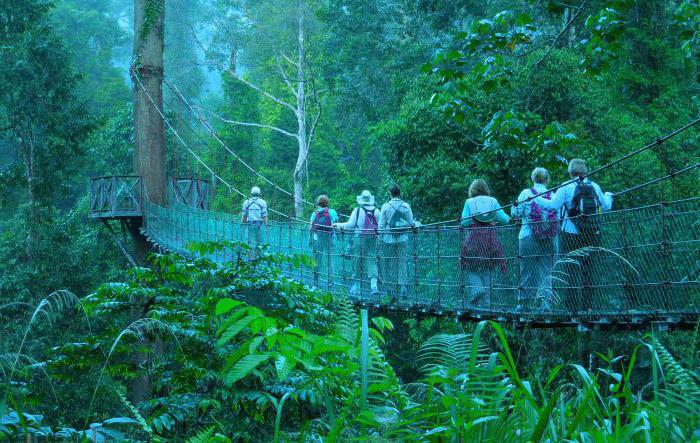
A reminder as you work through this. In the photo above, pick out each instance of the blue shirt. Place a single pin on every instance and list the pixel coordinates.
(476, 206)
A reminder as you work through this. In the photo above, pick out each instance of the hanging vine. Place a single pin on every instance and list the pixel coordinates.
(154, 10)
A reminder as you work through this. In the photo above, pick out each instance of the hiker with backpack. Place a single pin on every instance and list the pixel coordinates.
(364, 222)
(321, 235)
(538, 241)
(396, 222)
(582, 201)
(481, 255)
(254, 216)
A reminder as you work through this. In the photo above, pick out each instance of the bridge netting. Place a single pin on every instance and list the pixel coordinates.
(646, 269)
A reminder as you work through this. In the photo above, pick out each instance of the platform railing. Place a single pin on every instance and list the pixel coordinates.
(116, 196)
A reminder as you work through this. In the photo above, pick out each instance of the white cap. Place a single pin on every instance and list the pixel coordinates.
(255, 191)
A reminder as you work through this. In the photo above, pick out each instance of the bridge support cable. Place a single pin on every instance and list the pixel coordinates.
(658, 180)
(198, 158)
(627, 156)
(209, 128)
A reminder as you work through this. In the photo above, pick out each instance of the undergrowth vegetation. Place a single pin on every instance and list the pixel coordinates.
(190, 349)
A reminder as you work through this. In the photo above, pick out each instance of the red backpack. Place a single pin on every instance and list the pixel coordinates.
(544, 223)
(322, 221)
(370, 224)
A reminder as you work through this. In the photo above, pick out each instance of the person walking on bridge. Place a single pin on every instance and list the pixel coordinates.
(364, 222)
(396, 220)
(582, 201)
(538, 242)
(481, 250)
(321, 237)
(254, 216)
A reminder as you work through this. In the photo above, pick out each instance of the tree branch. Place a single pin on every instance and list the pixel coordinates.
(566, 27)
(254, 125)
(288, 60)
(284, 77)
(241, 79)
(261, 91)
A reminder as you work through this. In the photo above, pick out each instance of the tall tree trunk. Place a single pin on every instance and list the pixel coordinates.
(149, 131)
(299, 169)
(149, 146)
(27, 145)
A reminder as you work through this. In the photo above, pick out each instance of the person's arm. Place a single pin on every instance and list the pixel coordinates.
(518, 211)
(334, 215)
(352, 221)
(606, 199)
(409, 216)
(244, 212)
(556, 202)
(382, 219)
(466, 215)
(379, 217)
(500, 216)
(263, 212)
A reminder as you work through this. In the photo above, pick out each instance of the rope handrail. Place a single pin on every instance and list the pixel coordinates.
(657, 180)
(657, 142)
(646, 267)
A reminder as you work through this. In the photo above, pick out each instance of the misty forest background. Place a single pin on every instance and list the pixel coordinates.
(429, 94)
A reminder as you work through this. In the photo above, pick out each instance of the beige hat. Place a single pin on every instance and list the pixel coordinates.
(365, 199)
(255, 191)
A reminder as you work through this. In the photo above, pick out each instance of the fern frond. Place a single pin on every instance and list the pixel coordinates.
(204, 436)
(348, 323)
(136, 414)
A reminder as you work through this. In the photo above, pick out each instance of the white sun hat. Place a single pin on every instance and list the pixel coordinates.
(365, 199)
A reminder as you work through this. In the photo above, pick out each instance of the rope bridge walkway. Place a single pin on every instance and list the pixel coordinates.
(646, 269)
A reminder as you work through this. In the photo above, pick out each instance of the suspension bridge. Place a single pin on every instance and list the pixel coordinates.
(645, 271)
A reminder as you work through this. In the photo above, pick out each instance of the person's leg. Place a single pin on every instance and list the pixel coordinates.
(571, 272)
(525, 290)
(401, 249)
(477, 282)
(389, 271)
(371, 252)
(358, 263)
(588, 263)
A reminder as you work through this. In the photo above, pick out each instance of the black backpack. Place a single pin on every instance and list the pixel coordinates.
(584, 208)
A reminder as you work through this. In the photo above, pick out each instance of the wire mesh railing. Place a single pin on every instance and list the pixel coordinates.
(644, 266)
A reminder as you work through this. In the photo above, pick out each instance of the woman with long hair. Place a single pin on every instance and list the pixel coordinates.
(482, 256)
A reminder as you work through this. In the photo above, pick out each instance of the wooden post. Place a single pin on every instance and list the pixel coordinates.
(364, 359)
(415, 265)
(462, 284)
(437, 267)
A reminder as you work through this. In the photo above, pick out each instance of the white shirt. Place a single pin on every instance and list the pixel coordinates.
(357, 218)
(564, 197)
(388, 211)
(255, 209)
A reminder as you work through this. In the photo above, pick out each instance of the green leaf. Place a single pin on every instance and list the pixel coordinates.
(225, 305)
(284, 366)
(245, 366)
(230, 332)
